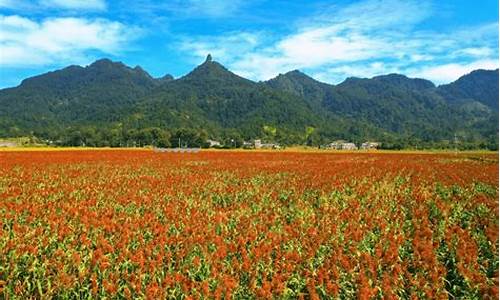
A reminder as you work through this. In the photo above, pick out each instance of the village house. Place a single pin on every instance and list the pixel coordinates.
(349, 146)
(342, 145)
(259, 145)
(213, 143)
(369, 145)
(7, 144)
(337, 145)
(270, 146)
(247, 144)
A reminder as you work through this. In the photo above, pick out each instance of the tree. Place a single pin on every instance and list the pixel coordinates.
(314, 139)
(161, 138)
(188, 138)
(232, 139)
(75, 138)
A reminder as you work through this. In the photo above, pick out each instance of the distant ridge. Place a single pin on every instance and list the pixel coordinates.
(109, 98)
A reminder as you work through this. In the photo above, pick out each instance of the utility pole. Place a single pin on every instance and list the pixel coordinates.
(179, 143)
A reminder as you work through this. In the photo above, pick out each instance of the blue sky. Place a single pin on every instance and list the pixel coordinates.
(257, 39)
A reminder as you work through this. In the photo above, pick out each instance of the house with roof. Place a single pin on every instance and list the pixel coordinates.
(342, 145)
(370, 145)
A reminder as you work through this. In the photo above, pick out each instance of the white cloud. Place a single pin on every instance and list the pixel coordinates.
(362, 70)
(477, 52)
(76, 4)
(330, 43)
(377, 14)
(450, 72)
(24, 42)
(420, 57)
(233, 43)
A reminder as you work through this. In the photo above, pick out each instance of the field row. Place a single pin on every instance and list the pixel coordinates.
(248, 225)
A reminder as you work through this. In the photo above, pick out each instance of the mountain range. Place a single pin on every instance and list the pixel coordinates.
(109, 103)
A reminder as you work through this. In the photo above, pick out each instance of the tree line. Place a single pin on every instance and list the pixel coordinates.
(102, 136)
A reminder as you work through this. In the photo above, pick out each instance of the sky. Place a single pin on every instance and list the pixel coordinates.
(439, 40)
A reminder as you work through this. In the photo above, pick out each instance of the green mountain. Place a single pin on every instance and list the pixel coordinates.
(228, 101)
(410, 109)
(102, 92)
(108, 103)
(479, 85)
(299, 84)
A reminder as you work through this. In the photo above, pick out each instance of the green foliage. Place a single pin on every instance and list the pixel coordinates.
(110, 104)
(189, 138)
(479, 85)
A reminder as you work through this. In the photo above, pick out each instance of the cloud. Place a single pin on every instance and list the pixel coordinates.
(76, 4)
(450, 72)
(233, 42)
(476, 52)
(373, 14)
(362, 70)
(352, 41)
(25, 42)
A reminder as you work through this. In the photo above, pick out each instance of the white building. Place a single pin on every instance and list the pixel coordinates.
(7, 144)
(270, 146)
(342, 145)
(213, 143)
(369, 145)
(257, 144)
(349, 146)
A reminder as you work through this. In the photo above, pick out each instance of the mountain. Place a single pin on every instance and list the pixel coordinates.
(165, 78)
(404, 82)
(101, 72)
(394, 103)
(212, 96)
(104, 91)
(115, 103)
(479, 85)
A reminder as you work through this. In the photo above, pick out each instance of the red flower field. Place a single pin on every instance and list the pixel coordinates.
(248, 225)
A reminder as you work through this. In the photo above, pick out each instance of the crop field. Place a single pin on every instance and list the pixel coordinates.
(248, 225)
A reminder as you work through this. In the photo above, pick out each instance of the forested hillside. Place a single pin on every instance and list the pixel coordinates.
(110, 104)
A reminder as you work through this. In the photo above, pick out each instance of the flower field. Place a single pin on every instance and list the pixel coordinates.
(248, 225)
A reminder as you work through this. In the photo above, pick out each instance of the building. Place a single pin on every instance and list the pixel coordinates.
(337, 145)
(349, 146)
(342, 145)
(247, 145)
(257, 144)
(7, 144)
(213, 143)
(270, 146)
(369, 145)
